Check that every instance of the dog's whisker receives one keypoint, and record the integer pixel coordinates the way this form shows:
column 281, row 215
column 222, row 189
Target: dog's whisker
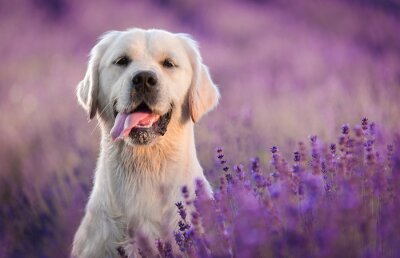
column 102, row 111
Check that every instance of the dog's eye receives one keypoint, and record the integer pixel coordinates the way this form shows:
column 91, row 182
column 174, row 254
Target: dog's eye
column 122, row 61
column 167, row 63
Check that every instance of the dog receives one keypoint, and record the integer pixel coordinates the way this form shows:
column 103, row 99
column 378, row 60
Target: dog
column 147, row 88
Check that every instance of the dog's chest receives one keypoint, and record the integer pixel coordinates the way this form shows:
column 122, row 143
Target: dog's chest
column 149, row 207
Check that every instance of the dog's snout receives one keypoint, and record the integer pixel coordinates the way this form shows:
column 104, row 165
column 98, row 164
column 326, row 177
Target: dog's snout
column 145, row 79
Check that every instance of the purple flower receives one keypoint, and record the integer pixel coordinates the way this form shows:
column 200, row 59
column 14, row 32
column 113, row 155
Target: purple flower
column 364, row 123
column 345, row 129
column 296, row 156
column 333, row 148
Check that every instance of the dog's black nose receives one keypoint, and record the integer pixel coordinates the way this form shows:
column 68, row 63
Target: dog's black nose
column 145, row 79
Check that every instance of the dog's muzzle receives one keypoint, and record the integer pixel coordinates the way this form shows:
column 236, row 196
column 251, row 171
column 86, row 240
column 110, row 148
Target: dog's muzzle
column 141, row 125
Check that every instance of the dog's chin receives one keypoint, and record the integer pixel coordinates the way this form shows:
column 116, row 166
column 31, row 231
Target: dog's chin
column 148, row 135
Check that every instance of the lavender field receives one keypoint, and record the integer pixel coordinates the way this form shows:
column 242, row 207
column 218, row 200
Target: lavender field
column 303, row 151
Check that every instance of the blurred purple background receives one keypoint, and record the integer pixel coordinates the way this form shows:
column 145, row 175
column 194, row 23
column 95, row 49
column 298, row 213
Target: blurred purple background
column 286, row 69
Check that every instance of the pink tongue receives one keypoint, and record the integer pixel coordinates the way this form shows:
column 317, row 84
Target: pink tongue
column 125, row 122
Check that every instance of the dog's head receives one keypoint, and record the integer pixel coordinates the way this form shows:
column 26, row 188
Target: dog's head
column 139, row 82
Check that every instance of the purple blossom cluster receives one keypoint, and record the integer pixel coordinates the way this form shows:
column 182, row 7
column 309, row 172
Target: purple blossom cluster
column 331, row 200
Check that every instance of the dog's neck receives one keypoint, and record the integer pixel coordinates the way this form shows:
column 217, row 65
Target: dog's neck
column 172, row 148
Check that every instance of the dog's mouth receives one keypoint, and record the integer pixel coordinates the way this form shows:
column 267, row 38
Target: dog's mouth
column 141, row 125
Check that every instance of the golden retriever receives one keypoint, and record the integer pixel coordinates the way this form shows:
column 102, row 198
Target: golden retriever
column 147, row 89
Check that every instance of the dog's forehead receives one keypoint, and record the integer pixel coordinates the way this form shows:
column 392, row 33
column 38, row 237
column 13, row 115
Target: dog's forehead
column 151, row 42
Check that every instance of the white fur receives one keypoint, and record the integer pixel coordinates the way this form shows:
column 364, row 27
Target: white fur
column 136, row 186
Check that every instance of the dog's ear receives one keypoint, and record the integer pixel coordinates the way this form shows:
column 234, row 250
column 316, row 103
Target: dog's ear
column 203, row 93
column 87, row 90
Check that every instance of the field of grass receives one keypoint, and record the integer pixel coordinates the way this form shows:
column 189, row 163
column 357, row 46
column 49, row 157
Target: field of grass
column 286, row 70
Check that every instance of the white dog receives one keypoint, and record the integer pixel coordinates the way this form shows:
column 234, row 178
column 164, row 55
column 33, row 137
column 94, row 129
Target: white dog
column 148, row 88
